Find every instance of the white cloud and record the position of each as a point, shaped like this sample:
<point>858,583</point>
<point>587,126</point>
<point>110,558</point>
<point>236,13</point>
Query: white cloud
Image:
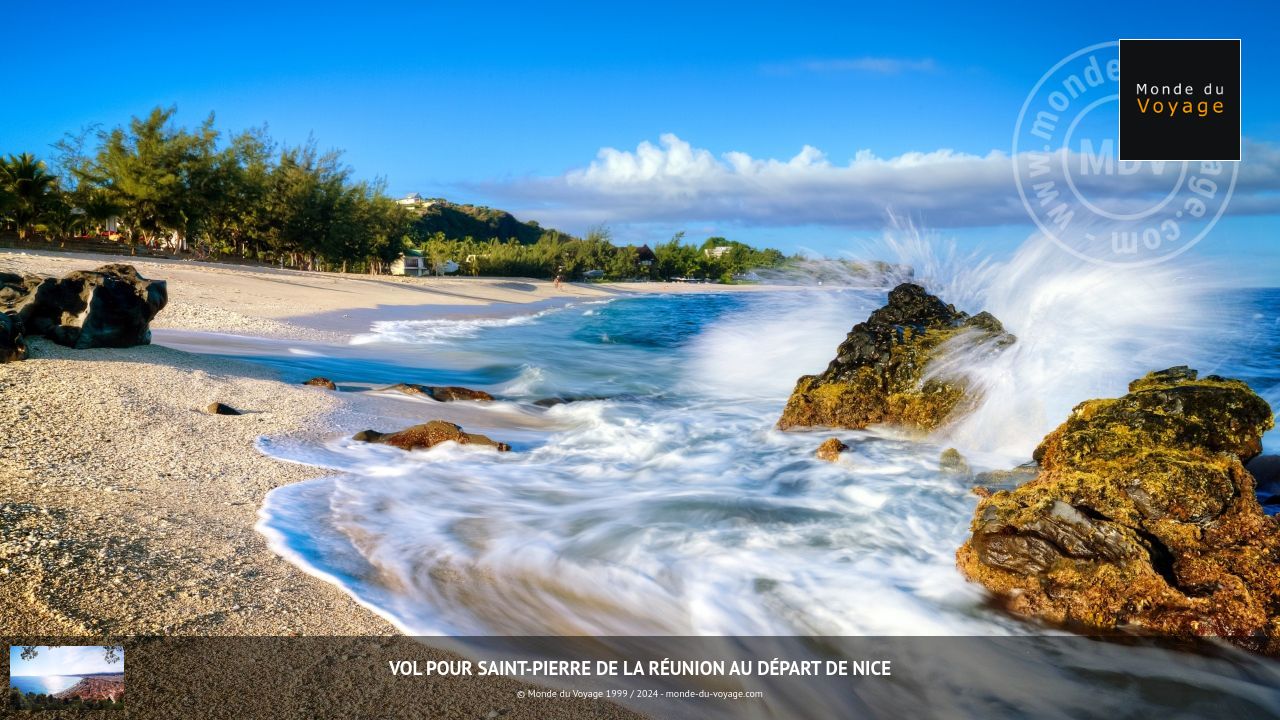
<point>673,181</point>
<point>64,660</point>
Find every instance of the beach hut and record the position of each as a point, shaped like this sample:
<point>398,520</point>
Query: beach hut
<point>411,263</point>
<point>645,256</point>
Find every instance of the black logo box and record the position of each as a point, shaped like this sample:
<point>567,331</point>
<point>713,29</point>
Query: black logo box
<point>1185,67</point>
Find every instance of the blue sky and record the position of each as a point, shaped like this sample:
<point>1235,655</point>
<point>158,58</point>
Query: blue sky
<point>500,103</point>
<point>64,660</point>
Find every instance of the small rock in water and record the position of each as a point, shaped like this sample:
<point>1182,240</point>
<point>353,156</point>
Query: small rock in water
<point>953,462</point>
<point>429,434</point>
<point>221,409</point>
<point>441,393</point>
<point>323,382</point>
<point>830,449</point>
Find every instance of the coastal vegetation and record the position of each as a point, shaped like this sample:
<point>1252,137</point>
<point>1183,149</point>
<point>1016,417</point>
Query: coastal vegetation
<point>556,253</point>
<point>42,702</point>
<point>205,193</point>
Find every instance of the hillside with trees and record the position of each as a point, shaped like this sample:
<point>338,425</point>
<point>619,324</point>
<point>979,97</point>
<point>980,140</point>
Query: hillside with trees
<point>477,221</point>
<point>204,193</point>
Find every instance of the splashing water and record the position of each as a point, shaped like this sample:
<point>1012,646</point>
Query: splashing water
<point>1084,331</point>
<point>665,502</point>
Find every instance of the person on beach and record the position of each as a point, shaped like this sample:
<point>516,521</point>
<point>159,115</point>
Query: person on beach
<point>559,277</point>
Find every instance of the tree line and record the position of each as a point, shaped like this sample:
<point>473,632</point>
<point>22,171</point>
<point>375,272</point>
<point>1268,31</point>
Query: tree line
<point>243,195</point>
<point>555,253</point>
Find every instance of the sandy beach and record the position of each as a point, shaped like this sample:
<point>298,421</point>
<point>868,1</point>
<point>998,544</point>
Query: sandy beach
<point>128,510</point>
<point>270,302</point>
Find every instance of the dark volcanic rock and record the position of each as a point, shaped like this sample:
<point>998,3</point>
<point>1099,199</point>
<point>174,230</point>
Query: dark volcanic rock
<point>1266,470</point>
<point>323,382</point>
<point>1142,516</point>
<point>109,307</point>
<point>554,401</point>
<point>427,435</point>
<point>441,393</point>
<point>878,373</point>
<point>13,346</point>
<point>221,409</point>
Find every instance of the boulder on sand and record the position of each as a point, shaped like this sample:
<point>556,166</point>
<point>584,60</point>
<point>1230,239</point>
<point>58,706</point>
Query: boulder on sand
<point>218,408</point>
<point>109,307</point>
<point>1142,517</point>
<point>429,434</point>
<point>13,346</point>
<point>878,374</point>
<point>322,382</point>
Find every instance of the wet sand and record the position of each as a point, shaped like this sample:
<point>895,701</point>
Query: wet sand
<point>127,510</point>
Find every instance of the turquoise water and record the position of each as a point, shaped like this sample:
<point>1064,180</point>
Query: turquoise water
<point>664,502</point>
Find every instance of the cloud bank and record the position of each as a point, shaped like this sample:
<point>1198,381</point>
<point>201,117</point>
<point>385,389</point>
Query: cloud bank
<point>674,182</point>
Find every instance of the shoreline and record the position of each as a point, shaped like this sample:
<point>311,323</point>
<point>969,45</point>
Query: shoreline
<point>263,301</point>
<point>112,464</point>
<point>126,510</point>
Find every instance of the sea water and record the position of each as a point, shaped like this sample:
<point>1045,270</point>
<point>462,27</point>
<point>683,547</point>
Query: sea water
<point>42,684</point>
<point>661,499</point>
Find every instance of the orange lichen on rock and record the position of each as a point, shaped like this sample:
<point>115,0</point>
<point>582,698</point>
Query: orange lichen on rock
<point>878,374</point>
<point>830,449</point>
<point>429,434</point>
<point>1142,517</point>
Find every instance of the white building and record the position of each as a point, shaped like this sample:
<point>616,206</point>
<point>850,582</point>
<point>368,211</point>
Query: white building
<point>414,200</point>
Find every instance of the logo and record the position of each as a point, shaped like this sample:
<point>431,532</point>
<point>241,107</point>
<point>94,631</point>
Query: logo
<point>1081,195</point>
<point>1180,100</point>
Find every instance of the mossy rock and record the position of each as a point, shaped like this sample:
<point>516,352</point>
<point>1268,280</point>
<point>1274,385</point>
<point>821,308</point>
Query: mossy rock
<point>427,435</point>
<point>1142,517</point>
<point>878,374</point>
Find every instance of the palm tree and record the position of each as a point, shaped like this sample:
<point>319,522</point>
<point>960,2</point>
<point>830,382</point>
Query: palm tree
<point>99,206</point>
<point>29,185</point>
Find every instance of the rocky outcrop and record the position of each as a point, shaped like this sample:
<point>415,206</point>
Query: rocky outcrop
<point>13,346</point>
<point>322,382</point>
<point>878,374</point>
<point>441,393</point>
<point>1142,517</point>
<point>109,307</point>
<point>429,434</point>
<point>830,449</point>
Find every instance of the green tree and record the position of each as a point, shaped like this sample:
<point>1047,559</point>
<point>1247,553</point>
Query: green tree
<point>236,191</point>
<point>161,176</point>
<point>29,188</point>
